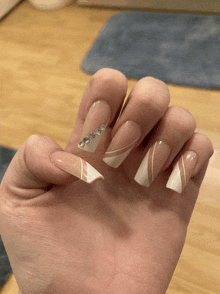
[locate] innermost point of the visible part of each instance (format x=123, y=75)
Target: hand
x=113, y=236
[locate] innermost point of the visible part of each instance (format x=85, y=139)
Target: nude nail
x=122, y=144
x=152, y=163
x=182, y=171
x=95, y=124
x=76, y=166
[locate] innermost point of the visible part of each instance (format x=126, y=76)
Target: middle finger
x=145, y=106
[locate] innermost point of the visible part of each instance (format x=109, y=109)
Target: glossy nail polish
x=152, y=163
x=182, y=171
x=95, y=124
x=76, y=166
x=122, y=144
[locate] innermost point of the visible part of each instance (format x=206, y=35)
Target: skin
x=63, y=235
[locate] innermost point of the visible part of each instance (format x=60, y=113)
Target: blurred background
x=42, y=46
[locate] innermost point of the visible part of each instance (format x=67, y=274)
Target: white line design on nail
x=108, y=152
x=153, y=161
x=177, y=180
x=142, y=176
x=174, y=181
x=184, y=171
x=81, y=168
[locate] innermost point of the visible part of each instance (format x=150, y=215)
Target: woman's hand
x=120, y=235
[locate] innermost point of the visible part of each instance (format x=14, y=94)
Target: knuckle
x=30, y=146
x=153, y=94
x=33, y=143
x=203, y=140
x=155, y=81
x=109, y=76
x=183, y=119
x=32, y=140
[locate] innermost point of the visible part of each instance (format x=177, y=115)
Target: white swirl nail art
x=182, y=172
x=90, y=173
x=152, y=163
x=116, y=157
x=175, y=180
x=75, y=166
x=122, y=144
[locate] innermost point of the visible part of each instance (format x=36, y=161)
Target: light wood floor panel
x=41, y=88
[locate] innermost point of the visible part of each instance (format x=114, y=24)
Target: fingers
x=174, y=129
x=191, y=162
x=100, y=106
x=146, y=105
x=203, y=148
x=175, y=141
x=106, y=84
x=99, y=110
x=41, y=162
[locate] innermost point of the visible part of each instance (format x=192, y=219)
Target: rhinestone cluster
x=87, y=139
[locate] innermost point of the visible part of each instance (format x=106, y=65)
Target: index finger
x=108, y=86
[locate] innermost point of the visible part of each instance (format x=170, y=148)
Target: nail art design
x=75, y=166
x=95, y=124
x=152, y=163
x=122, y=144
x=91, y=136
x=182, y=171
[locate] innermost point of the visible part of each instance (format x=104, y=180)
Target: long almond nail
x=182, y=171
x=122, y=144
x=152, y=163
x=76, y=166
x=95, y=124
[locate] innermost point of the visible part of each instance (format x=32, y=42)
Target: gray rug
x=6, y=156
x=181, y=49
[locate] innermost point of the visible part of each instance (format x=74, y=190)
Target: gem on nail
x=98, y=131
x=91, y=136
x=86, y=140
x=81, y=144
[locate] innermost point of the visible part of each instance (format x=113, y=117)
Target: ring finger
x=174, y=130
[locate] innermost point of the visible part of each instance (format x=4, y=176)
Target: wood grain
x=186, y=5
x=41, y=87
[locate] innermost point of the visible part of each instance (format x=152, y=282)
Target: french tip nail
x=174, y=182
x=182, y=171
x=75, y=166
x=152, y=163
x=143, y=181
x=87, y=149
x=93, y=174
x=111, y=163
x=175, y=189
x=98, y=178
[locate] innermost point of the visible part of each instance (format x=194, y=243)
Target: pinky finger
x=191, y=163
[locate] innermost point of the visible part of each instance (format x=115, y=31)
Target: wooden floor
x=41, y=88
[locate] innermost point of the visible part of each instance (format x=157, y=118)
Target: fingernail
x=152, y=163
x=182, y=171
x=95, y=124
x=122, y=144
x=75, y=166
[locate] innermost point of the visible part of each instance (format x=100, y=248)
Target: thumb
x=32, y=167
